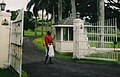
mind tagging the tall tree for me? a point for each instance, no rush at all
(41, 5)
(60, 10)
(28, 20)
(34, 3)
(73, 9)
(101, 18)
(101, 11)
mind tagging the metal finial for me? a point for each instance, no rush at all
(78, 15)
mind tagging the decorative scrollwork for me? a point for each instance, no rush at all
(5, 22)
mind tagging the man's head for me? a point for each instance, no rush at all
(48, 33)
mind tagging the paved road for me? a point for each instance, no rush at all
(33, 64)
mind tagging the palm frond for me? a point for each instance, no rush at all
(30, 4)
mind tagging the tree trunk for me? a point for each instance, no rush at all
(60, 10)
(42, 24)
(53, 16)
(35, 26)
(101, 17)
(73, 9)
(100, 11)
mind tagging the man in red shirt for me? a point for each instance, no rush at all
(50, 47)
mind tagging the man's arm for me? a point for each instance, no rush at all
(46, 42)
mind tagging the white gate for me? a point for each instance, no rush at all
(95, 34)
(87, 40)
(17, 43)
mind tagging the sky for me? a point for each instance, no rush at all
(113, 0)
(15, 4)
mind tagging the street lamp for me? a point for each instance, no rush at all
(2, 6)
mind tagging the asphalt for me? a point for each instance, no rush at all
(33, 64)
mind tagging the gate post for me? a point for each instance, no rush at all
(78, 30)
(4, 38)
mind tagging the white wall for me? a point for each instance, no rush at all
(4, 38)
(4, 45)
(64, 46)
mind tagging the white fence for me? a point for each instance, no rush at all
(95, 33)
(89, 38)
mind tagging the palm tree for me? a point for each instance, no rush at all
(60, 10)
(34, 3)
(41, 5)
(100, 10)
(101, 17)
(73, 9)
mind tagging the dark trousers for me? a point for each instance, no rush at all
(47, 56)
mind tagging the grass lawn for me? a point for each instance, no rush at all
(30, 33)
(10, 73)
(39, 42)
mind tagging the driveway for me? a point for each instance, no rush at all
(33, 64)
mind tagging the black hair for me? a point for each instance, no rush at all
(48, 32)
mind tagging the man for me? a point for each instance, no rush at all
(50, 48)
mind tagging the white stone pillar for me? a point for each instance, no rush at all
(61, 34)
(78, 30)
(4, 38)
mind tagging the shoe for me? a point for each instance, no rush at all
(51, 62)
(46, 63)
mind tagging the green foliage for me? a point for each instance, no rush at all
(41, 4)
(64, 56)
(85, 7)
(68, 57)
(14, 15)
(10, 73)
(24, 74)
(5, 73)
(39, 42)
(30, 33)
(28, 21)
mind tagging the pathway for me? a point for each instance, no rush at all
(33, 64)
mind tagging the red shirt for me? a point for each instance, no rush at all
(48, 39)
